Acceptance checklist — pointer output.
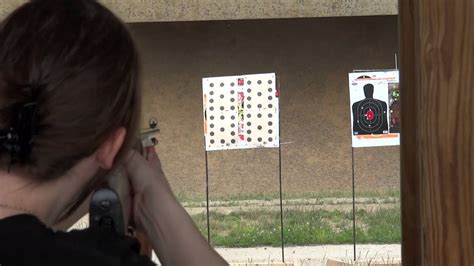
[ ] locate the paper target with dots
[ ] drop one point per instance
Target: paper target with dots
(241, 112)
(371, 108)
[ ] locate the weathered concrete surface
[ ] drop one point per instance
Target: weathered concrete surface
(193, 10)
(312, 58)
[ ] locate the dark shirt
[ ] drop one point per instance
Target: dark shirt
(25, 240)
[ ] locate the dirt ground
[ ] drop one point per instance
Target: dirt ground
(333, 204)
(311, 57)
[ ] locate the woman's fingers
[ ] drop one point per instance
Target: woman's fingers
(144, 173)
(153, 158)
(151, 153)
(137, 169)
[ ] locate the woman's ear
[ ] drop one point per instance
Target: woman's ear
(107, 152)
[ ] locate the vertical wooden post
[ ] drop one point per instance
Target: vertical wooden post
(410, 175)
(437, 77)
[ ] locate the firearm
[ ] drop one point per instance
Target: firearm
(107, 210)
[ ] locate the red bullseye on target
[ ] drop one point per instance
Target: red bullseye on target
(370, 115)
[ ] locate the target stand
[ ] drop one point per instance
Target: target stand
(371, 112)
(241, 112)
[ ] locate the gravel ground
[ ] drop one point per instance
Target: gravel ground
(311, 255)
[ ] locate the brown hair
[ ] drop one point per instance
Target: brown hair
(82, 64)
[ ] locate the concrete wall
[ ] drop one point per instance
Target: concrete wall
(192, 10)
(312, 58)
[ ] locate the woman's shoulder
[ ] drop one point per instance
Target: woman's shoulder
(24, 240)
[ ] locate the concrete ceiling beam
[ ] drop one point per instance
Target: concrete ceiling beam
(198, 10)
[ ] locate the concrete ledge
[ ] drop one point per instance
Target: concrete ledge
(196, 10)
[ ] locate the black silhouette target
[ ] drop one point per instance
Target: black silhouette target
(370, 115)
(372, 96)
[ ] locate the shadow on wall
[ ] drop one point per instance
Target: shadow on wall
(312, 58)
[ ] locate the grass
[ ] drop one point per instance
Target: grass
(301, 227)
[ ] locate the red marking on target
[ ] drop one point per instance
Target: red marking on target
(241, 102)
(240, 82)
(370, 115)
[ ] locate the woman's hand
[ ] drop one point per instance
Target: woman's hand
(145, 172)
(147, 179)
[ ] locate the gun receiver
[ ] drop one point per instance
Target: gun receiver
(106, 211)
